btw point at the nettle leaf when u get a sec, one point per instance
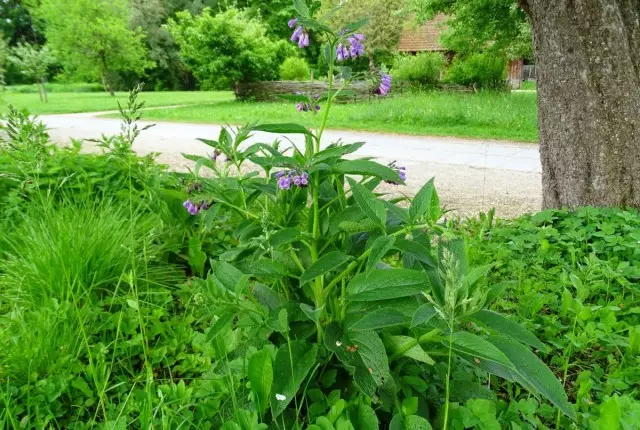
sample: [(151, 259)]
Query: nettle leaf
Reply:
[(533, 372), (324, 265), (509, 328), (369, 203), (379, 318), (368, 168), (293, 362), (363, 355), (283, 128), (386, 284), (380, 247), (260, 372), (423, 315), (407, 346)]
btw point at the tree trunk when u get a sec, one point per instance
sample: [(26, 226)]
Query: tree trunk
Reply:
[(44, 91), (107, 87), (588, 62)]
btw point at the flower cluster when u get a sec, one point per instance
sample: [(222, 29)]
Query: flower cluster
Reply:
[(401, 170), (300, 35), (385, 85), (194, 208), (215, 155), (353, 48), (287, 178), (311, 106)]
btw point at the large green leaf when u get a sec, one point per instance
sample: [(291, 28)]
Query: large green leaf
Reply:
[(386, 284), (412, 422), (417, 251), (379, 318), (324, 265), (261, 378), (363, 355), (368, 168), (425, 203), (290, 368), (407, 346), (284, 236), (284, 128), (423, 315), (378, 250), (507, 327), (369, 203), (534, 373), (224, 274), (480, 349), (197, 258), (363, 417)]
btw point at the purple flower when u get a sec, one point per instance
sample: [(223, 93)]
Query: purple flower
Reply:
[(301, 180), (304, 40), (292, 22), (190, 207), (284, 183), (385, 85), (353, 49), (215, 155), (297, 33), (280, 174), (400, 170)]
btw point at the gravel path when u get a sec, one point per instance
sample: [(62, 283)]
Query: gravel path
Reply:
[(471, 175)]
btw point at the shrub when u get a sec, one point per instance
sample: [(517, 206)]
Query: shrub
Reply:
[(294, 69), (224, 48), (56, 88), (478, 70), (422, 69)]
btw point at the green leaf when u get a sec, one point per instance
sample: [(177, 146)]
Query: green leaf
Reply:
[(197, 258), (369, 203), (380, 318), (534, 373), (479, 348), (412, 422), (324, 265), (301, 8), (133, 304), (221, 323), (386, 284), (224, 274), (425, 203), (284, 128), (378, 250), (261, 378), (507, 327), (312, 314), (290, 368), (368, 168), (416, 250), (284, 236), (363, 355), (406, 346), (423, 315), (363, 417)]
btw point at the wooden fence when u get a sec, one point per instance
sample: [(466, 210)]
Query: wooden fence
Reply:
[(356, 91)]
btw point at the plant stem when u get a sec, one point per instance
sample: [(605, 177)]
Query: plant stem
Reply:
[(447, 390)]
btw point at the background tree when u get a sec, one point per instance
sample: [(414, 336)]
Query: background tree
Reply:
[(227, 48), (3, 57), (17, 23), (386, 22), (496, 26), (33, 62), (93, 40)]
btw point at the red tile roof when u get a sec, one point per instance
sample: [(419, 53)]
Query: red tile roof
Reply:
[(423, 38)]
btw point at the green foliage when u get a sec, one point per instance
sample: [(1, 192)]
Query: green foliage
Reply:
[(56, 88), (479, 71), (294, 69), (228, 47), (499, 27), (422, 69), (92, 39), (32, 61)]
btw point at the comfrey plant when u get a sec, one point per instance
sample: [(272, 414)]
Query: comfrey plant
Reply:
[(330, 288)]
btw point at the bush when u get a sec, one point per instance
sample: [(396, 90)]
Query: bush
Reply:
[(225, 48), (422, 69), (478, 70), (56, 88), (294, 69)]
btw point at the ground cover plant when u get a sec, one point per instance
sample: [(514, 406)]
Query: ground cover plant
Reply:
[(296, 296)]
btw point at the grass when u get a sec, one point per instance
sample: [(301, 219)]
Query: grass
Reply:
[(528, 85), (95, 102), (487, 115)]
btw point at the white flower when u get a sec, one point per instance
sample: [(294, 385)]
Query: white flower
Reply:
[(338, 343), (281, 397)]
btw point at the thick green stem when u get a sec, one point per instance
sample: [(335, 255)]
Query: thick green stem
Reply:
[(447, 382)]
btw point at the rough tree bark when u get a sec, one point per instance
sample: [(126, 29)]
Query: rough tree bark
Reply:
[(588, 66)]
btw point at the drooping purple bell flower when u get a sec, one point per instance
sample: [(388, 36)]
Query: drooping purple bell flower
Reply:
[(400, 170), (353, 49), (385, 85), (191, 207), (293, 22)]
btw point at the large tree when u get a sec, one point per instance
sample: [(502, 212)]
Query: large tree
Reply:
[(92, 38), (587, 55), (33, 61)]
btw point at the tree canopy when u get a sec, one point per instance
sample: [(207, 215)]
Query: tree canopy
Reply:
[(499, 26)]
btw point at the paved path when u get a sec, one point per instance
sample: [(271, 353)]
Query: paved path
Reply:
[(471, 175)]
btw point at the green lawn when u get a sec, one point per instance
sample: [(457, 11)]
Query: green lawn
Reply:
[(94, 102), (509, 116)]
